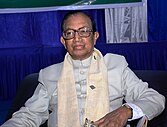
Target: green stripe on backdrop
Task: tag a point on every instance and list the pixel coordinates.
(50, 3)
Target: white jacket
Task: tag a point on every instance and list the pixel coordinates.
(123, 84)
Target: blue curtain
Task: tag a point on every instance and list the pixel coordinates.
(157, 20)
(30, 41)
(38, 29)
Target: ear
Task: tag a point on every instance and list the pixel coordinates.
(63, 41)
(96, 36)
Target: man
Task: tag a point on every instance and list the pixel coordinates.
(87, 89)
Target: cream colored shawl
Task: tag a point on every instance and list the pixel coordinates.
(97, 99)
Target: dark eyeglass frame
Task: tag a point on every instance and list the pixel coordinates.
(87, 32)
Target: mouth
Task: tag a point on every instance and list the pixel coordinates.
(78, 47)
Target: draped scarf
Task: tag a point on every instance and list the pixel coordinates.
(97, 98)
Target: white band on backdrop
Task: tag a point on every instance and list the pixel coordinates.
(126, 25)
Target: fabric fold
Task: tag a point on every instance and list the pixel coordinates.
(97, 99)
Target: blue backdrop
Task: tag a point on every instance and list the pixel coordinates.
(157, 20)
(30, 41)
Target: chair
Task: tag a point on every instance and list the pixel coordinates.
(24, 92)
(156, 80)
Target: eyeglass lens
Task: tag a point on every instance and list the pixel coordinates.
(82, 32)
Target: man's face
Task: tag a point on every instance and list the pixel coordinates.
(79, 47)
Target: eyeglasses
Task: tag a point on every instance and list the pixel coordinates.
(82, 32)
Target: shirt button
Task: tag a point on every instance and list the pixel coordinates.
(82, 72)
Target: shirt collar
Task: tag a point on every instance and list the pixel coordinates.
(82, 63)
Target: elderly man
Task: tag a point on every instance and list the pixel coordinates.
(87, 89)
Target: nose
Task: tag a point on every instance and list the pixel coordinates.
(77, 37)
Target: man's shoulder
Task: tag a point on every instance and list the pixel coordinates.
(114, 57)
(115, 60)
(51, 72)
(52, 67)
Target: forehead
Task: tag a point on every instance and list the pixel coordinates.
(78, 20)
